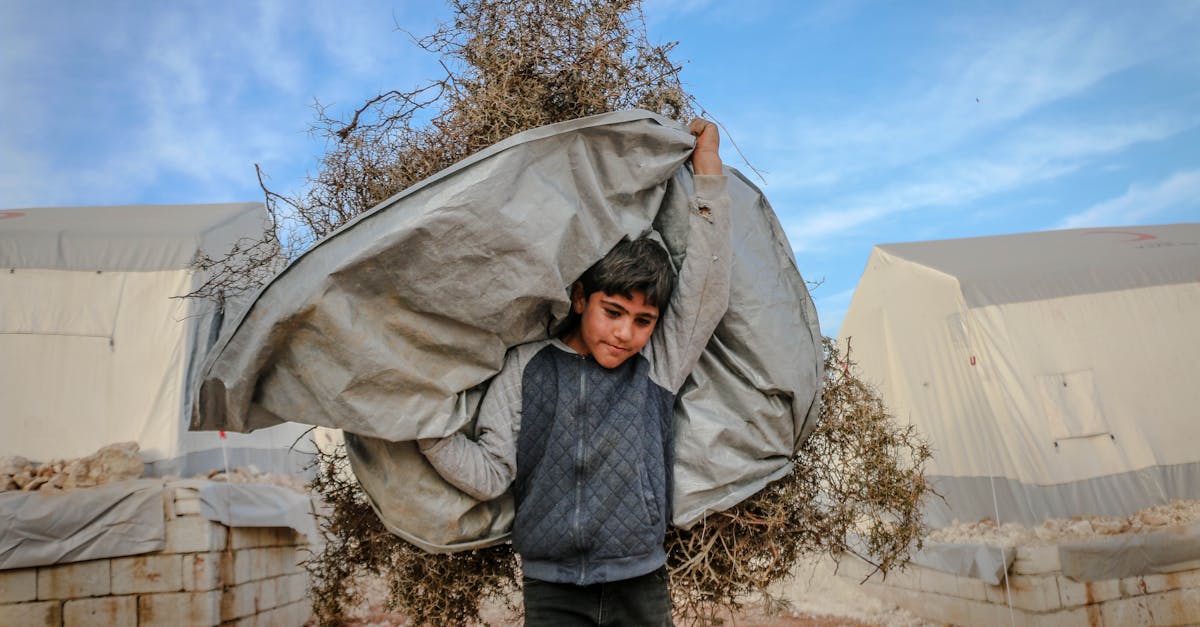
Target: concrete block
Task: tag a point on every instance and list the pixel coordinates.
(101, 612)
(1150, 584)
(47, 613)
(1073, 593)
(296, 556)
(298, 613)
(187, 507)
(247, 538)
(193, 534)
(1031, 593)
(18, 585)
(243, 600)
(970, 588)
(1126, 612)
(147, 573)
(203, 571)
(908, 578)
(1037, 560)
(938, 582)
(170, 609)
(1175, 607)
(295, 588)
(182, 493)
(72, 581)
(940, 608)
(1087, 616)
(983, 614)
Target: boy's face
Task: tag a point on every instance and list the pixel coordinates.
(612, 328)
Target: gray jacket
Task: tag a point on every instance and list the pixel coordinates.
(588, 451)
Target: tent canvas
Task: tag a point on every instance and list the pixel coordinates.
(97, 348)
(1054, 372)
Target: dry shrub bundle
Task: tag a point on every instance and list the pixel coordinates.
(429, 589)
(857, 486)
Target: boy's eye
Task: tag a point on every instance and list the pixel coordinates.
(643, 322)
(612, 313)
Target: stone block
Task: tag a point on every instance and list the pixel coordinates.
(1175, 607)
(938, 582)
(203, 571)
(47, 613)
(1073, 593)
(984, 614)
(187, 507)
(72, 581)
(147, 573)
(18, 585)
(294, 588)
(170, 609)
(1126, 612)
(1037, 560)
(1087, 616)
(971, 588)
(938, 607)
(1030, 593)
(298, 613)
(193, 534)
(909, 578)
(243, 600)
(110, 611)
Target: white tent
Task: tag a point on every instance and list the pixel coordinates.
(1054, 373)
(95, 345)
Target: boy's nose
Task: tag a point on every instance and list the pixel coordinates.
(621, 331)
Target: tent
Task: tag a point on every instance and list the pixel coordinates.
(95, 345)
(1054, 373)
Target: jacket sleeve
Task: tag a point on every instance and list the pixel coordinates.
(484, 467)
(702, 288)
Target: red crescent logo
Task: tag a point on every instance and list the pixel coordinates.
(11, 214)
(1135, 237)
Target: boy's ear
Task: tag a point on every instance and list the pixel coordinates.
(577, 298)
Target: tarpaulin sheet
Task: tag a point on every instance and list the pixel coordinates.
(390, 328)
(127, 518)
(111, 520)
(1170, 550)
(257, 505)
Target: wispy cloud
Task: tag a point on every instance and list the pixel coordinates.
(1141, 202)
(1027, 156)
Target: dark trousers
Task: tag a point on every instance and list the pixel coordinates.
(638, 601)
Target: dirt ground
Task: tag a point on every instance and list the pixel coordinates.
(813, 597)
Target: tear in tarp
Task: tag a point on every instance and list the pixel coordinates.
(390, 328)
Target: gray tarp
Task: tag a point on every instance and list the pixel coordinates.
(127, 518)
(1127, 555)
(388, 328)
(110, 520)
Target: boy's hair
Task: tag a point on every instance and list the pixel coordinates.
(640, 265)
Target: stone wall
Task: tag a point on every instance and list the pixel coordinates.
(208, 574)
(1039, 593)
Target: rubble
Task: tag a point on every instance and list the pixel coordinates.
(114, 462)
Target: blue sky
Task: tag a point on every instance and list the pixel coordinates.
(872, 122)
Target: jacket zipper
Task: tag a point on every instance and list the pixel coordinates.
(581, 417)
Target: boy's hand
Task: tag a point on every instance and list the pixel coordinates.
(705, 158)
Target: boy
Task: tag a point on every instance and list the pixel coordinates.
(581, 425)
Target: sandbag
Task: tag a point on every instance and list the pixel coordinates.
(391, 327)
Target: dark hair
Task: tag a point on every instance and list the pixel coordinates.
(640, 265)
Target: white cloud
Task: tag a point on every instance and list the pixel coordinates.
(1027, 156)
(1140, 202)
